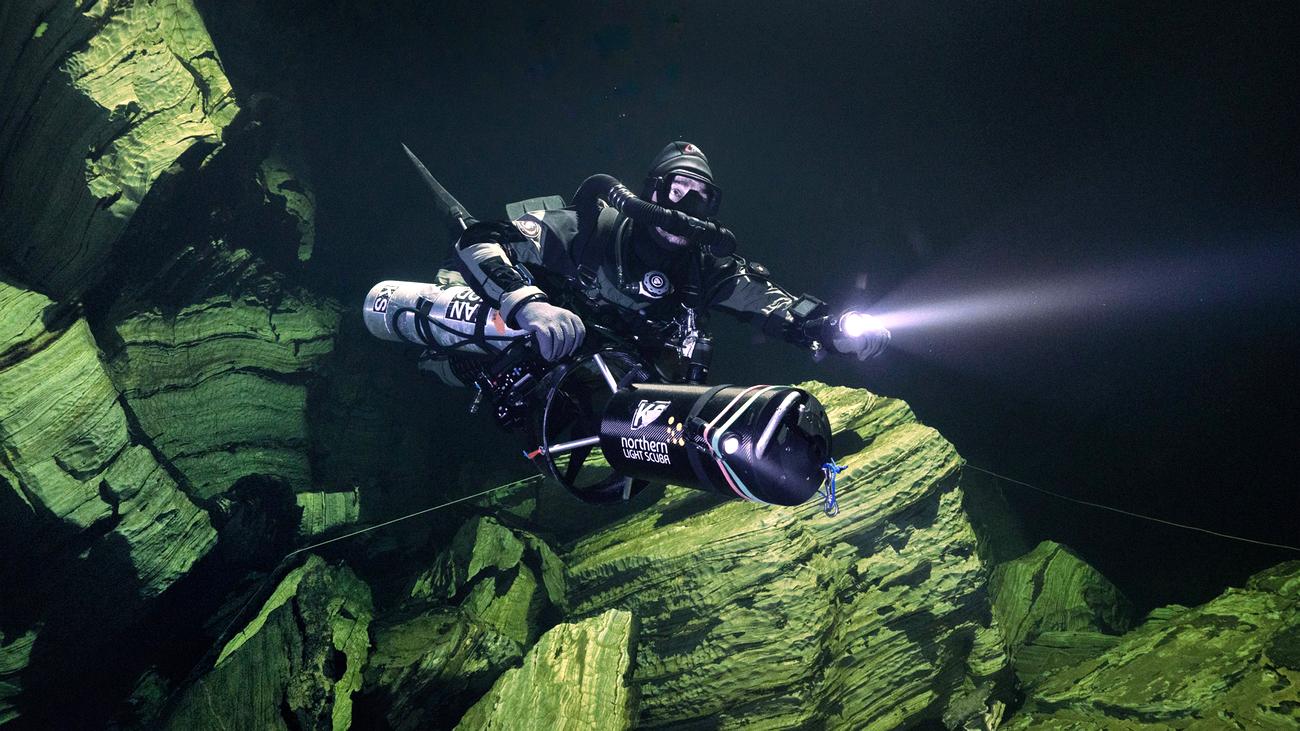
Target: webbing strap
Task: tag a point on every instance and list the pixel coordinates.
(593, 248)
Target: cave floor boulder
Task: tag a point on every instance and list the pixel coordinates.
(756, 616)
(1232, 663)
(295, 665)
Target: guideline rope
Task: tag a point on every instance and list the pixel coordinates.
(1130, 513)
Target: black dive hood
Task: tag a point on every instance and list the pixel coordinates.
(718, 240)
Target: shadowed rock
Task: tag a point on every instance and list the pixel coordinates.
(1232, 663)
(575, 677)
(295, 665)
(469, 617)
(92, 527)
(1054, 609)
(97, 101)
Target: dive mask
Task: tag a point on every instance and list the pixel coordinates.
(688, 193)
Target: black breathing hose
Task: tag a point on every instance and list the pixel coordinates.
(707, 234)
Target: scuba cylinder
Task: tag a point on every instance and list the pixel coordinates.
(444, 319)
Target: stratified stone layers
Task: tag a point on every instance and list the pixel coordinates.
(220, 386)
(94, 525)
(97, 100)
(473, 614)
(757, 616)
(1233, 663)
(296, 665)
(1054, 609)
(575, 677)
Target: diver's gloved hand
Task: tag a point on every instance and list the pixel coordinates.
(855, 333)
(558, 331)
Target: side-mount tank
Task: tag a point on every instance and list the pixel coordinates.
(437, 317)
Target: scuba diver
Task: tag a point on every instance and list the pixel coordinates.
(627, 281)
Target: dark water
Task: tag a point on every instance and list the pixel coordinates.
(972, 147)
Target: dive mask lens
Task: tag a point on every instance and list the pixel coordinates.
(690, 195)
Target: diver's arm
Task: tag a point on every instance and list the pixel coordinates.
(486, 261)
(745, 290)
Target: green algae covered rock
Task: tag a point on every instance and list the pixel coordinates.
(575, 677)
(94, 109)
(1232, 663)
(220, 385)
(1051, 588)
(15, 653)
(757, 616)
(430, 663)
(296, 664)
(100, 525)
(1054, 609)
(474, 613)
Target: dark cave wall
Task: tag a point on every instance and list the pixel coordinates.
(183, 401)
(97, 101)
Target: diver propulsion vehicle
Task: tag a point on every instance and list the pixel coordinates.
(604, 422)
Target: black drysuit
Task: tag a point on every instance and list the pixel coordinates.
(626, 282)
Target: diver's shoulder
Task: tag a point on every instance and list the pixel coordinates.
(561, 223)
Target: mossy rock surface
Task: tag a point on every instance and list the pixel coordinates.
(100, 525)
(221, 386)
(296, 664)
(757, 616)
(575, 677)
(1054, 609)
(96, 107)
(1232, 663)
(474, 613)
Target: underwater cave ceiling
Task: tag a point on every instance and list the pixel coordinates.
(181, 403)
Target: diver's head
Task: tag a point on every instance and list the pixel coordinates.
(680, 179)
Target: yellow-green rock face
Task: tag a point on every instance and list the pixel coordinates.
(756, 616)
(468, 618)
(1232, 663)
(575, 677)
(67, 453)
(299, 659)
(220, 385)
(1053, 608)
(95, 109)
(99, 521)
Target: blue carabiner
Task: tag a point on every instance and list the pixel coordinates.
(830, 505)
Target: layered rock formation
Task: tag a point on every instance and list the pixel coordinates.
(1232, 663)
(295, 665)
(754, 616)
(97, 101)
(154, 366)
(1054, 609)
(93, 525)
(187, 373)
(180, 402)
(473, 614)
(575, 677)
